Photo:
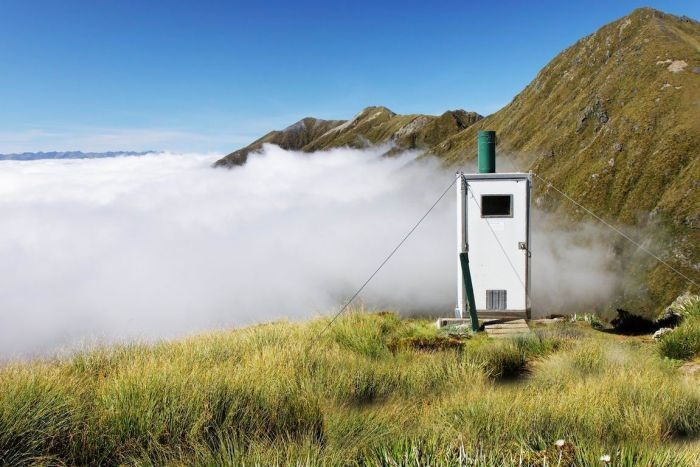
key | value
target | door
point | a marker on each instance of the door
(497, 234)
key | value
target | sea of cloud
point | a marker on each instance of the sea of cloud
(163, 245)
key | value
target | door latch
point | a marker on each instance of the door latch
(523, 246)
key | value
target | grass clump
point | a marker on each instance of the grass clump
(683, 343)
(364, 333)
(508, 358)
(432, 343)
(502, 360)
(39, 410)
(364, 383)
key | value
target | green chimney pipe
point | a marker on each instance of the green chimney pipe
(486, 144)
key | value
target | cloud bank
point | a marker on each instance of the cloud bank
(157, 246)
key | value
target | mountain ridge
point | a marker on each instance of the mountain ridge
(372, 126)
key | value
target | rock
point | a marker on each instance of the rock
(677, 66)
(682, 304)
(595, 112)
(690, 368)
(661, 333)
(549, 321)
(670, 319)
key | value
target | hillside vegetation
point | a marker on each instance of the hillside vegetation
(614, 120)
(373, 390)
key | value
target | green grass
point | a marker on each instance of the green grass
(374, 390)
(683, 343)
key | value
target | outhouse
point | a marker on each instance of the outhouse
(493, 238)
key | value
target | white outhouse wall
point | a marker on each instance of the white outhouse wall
(495, 225)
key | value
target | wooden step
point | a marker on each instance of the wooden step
(508, 331)
(515, 328)
(507, 326)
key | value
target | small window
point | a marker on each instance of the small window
(496, 205)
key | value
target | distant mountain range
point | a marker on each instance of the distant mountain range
(614, 120)
(31, 156)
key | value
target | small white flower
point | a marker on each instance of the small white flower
(605, 458)
(559, 443)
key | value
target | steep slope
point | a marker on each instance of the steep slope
(293, 137)
(614, 120)
(374, 125)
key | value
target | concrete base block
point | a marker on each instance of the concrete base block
(443, 322)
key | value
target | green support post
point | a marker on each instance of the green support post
(467, 278)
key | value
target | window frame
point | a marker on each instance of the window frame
(496, 216)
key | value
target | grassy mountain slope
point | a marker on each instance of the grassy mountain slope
(609, 119)
(373, 390)
(614, 120)
(374, 125)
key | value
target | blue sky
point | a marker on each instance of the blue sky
(212, 76)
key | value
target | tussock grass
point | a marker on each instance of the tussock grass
(509, 358)
(683, 343)
(261, 396)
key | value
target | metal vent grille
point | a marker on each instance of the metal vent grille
(496, 300)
